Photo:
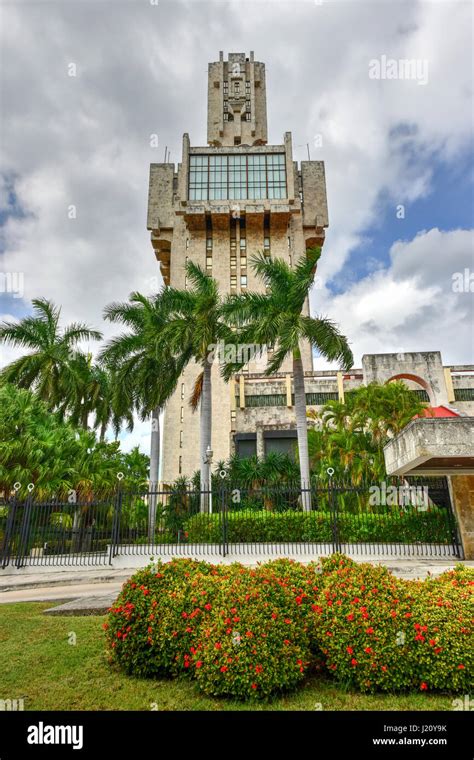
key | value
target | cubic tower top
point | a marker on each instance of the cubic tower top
(237, 103)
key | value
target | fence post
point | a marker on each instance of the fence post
(25, 527)
(333, 510)
(115, 537)
(5, 551)
(223, 510)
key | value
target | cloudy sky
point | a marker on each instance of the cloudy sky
(398, 151)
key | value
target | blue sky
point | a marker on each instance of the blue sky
(448, 205)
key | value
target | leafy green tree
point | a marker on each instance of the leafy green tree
(278, 317)
(350, 435)
(37, 447)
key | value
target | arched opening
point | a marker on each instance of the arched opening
(415, 379)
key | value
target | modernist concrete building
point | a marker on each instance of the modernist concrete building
(224, 202)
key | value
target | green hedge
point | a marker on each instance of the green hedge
(405, 527)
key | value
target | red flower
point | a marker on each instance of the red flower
(150, 629)
(353, 661)
(350, 616)
(218, 645)
(384, 668)
(258, 668)
(208, 606)
(184, 614)
(199, 664)
(432, 642)
(461, 667)
(274, 615)
(224, 669)
(254, 686)
(286, 641)
(369, 630)
(423, 686)
(349, 650)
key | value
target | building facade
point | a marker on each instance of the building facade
(224, 202)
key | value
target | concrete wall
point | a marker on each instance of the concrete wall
(425, 365)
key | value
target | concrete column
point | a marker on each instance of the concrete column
(449, 384)
(340, 387)
(242, 392)
(289, 400)
(260, 443)
(463, 502)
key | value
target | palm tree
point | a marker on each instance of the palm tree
(277, 318)
(194, 325)
(95, 392)
(145, 371)
(48, 368)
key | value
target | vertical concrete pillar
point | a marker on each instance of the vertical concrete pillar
(260, 443)
(289, 400)
(449, 384)
(340, 387)
(242, 392)
(462, 487)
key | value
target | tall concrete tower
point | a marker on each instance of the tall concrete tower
(225, 202)
(236, 102)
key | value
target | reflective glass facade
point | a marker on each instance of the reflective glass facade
(237, 177)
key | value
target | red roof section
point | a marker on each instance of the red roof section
(438, 411)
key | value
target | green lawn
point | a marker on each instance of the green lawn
(38, 664)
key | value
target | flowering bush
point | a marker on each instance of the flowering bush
(377, 632)
(442, 631)
(253, 644)
(250, 633)
(155, 617)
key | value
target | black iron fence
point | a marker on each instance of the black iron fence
(393, 518)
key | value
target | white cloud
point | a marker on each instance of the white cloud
(142, 69)
(411, 305)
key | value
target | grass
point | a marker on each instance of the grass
(39, 664)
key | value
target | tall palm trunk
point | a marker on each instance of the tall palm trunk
(154, 470)
(302, 429)
(205, 432)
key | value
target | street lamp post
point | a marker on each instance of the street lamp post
(209, 455)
